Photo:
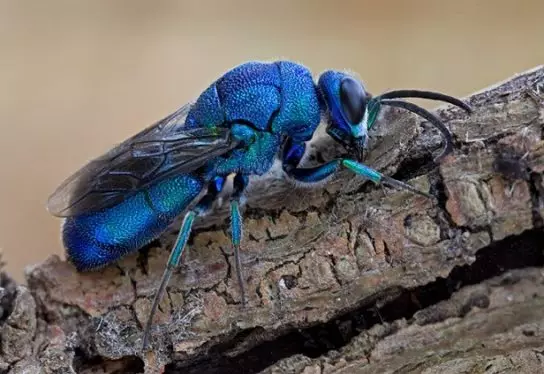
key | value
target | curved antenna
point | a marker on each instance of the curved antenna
(430, 95)
(448, 148)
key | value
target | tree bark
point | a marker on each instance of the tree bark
(346, 278)
(496, 326)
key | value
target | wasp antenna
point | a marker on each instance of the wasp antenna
(448, 148)
(430, 95)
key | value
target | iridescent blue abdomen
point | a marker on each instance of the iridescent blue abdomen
(96, 239)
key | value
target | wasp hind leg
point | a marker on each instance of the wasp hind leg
(204, 205)
(239, 184)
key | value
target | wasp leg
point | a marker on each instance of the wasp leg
(239, 184)
(378, 178)
(293, 152)
(321, 173)
(175, 255)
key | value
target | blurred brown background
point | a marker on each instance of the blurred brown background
(77, 77)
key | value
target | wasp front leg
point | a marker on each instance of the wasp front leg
(293, 153)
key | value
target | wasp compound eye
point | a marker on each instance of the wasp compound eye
(353, 99)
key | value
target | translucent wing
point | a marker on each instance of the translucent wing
(164, 149)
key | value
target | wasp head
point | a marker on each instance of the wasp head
(348, 110)
(352, 111)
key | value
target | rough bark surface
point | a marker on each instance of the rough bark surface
(348, 278)
(493, 327)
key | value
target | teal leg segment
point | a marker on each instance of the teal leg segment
(173, 262)
(363, 170)
(236, 228)
(320, 173)
(236, 222)
(175, 256)
(240, 183)
(182, 239)
(378, 178)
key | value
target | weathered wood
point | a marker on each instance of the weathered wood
(503, 333)
(311, 255)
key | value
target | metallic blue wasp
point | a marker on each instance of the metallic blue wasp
(254, 114)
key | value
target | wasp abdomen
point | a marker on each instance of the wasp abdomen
(97, 239)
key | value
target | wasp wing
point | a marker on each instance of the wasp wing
(163, 149)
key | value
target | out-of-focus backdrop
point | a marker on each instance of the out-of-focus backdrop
(77, 77)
